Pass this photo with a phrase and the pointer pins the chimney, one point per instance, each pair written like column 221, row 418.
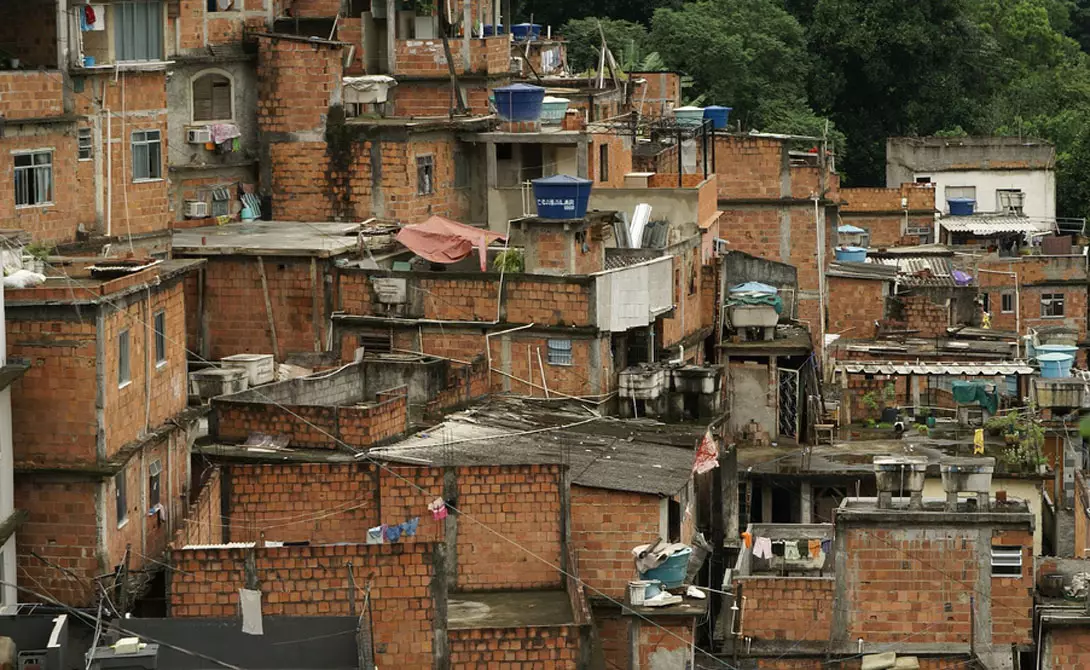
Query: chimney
column 967, row 475
column 900, row 474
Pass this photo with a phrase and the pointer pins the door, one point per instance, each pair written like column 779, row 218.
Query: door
column 788, row 406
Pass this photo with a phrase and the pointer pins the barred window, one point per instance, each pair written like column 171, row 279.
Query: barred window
column 33, row 178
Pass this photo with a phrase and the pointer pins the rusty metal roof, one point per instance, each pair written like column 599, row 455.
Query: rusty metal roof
column 919, row 270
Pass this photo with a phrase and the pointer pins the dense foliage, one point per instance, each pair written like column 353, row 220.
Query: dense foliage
column 864, row 70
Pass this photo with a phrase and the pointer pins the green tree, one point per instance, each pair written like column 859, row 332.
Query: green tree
column 889, row 67
column 584, row 41
column 746, row 54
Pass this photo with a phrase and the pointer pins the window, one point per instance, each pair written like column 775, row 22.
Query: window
column 425, row 175
column 603, row 162
column 160, row 337
column 1009, row 200
column 923, row 180
column 212, row 98
column 154, row 470
column 1052, row 304
column 986, row 302
column 961, row 192
column 221, row 201
column 119, row 499
column 86, row 145
column 224, row 5
column 147, row 155
column 124, row 374
column 559, row 352
column 138, row 30
column 1006, row 302
column 33, row 178
column 1006, row 561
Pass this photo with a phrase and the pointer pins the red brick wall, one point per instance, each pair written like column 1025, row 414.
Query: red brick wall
column 788, row 608
column 315, row 502
column 433, row 98
column 314, row 426
column 1067, row 648
column 31, row 94
column 529, row 512
column 28, row 30
column 428, row 58
column 235, row 306
column 748, row 167
column 405, row 492
column 574, row 379
column 687, row 317
column 296, row 83
column 660, row 94
column 1012, row 597
column 922, row 314
column 619, row 153
column 55, row 222
column 523, row 647
column 605, row 527
column 667, row 637
column 57, row 350
column 1034, row 274
column 854, row 305
column 885, row 229
column 203, row 523
column 1082, row 517
column 315, row 9
column 313, row 580
column 62, row 528
column 886, row 200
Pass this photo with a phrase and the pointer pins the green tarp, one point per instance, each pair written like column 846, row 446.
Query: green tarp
column 966, row 393
column 756, row 299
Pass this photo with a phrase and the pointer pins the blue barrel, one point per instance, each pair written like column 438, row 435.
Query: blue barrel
column 519, row 102
column 961, row 206
column 672, row 572
column 562, row 196
column 526, row 31
column 1055, row 366
column 719, row 116
column 1068, row 349
column 851, row 254
column 490, row 30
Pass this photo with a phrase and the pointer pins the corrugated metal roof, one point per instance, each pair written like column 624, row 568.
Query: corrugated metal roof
column 991, row 224
column 919, row 270
column 986, row 369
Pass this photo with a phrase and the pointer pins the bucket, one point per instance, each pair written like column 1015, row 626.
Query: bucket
column 719, row 116
column 1068, row 349
column 851, row 254
column 561, row 197
column 88, row 61
column 689, row 116
column 519, row 102
column 1055, row 366
column 637, row 591
column 961, row 206
column 672, row 572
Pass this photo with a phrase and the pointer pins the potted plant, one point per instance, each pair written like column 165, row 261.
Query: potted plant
column 37, row 252
column 1024, row 438
column 424, row 27
column 509, row 261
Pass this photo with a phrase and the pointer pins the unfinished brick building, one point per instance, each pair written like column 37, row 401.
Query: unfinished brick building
column 101, row 428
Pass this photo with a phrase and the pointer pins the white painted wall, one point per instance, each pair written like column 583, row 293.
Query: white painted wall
column 1023, row 489
column 7, row 553
column 1038, row 185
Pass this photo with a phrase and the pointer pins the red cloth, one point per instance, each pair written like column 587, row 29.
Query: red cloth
column 441, row 240
column 89, row 14
column 707, row 454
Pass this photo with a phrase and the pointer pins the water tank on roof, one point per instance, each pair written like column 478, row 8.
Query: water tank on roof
column 519, row 102
column 961, row 206
column 562, row 196
column 719, row 116
column 526, row 31
column 689, row 116
column 851, row 254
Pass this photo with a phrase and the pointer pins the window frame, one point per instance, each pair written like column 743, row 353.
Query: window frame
column 1004, row 298
column 1048, row 305
column 124, row 358
column 145, row 142
column 121, row 505
column 1002, row 556
column 85, row 143
column 425, row 174
column 603, row 162
column 30, row 172
column 155, row 480
column 215, row 72
column 117, row 17
column 160, row 329
column 559, row 357
column 986, row 302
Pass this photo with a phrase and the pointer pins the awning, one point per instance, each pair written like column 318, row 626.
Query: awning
column 993, row 225
column 441, row 240
column 986, row 369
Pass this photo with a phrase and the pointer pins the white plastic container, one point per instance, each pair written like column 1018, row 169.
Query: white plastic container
column 260, row 368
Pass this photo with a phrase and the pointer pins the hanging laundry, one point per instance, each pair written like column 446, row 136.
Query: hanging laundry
column 409, row 527
column 92, row 17
column 250, row 603
column 236, row 144
column 762, row 547
column 815, row 548
column 438, row 508
column 221, row 132
column 777, row 548
column 827, row 546
column 393, row 533
column 84, row 24
column 707, row 454
column 747, row 538
column 791, row 550
column 374, row 535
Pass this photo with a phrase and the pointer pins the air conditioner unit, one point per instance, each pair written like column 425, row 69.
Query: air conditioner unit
column 196, row 209
column 198, row 135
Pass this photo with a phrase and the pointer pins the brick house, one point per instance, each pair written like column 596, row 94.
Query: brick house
column 892, row 217
column 100, row 425
column 969, row 573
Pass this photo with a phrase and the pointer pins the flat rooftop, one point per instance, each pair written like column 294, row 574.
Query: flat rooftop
column 508, row 609
column 636, row 455
column 269, row 238
column 70, row 281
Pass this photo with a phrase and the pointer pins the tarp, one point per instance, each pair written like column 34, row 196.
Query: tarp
column 969, row 392
column 754, row 287
column 441, row 240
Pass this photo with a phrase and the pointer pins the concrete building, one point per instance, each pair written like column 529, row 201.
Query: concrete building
column 1000, row 174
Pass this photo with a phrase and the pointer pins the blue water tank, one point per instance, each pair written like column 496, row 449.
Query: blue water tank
column 719, row 116
column 961, row 206
column 519, row 102
column 526, row 31
column 562, row 196
column 490, row 30
column 1055, row 366
column 851, row 254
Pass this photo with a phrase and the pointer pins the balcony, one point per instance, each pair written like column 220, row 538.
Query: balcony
column 633, row 296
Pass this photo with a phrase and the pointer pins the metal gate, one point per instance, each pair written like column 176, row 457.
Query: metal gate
column 788, row 406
